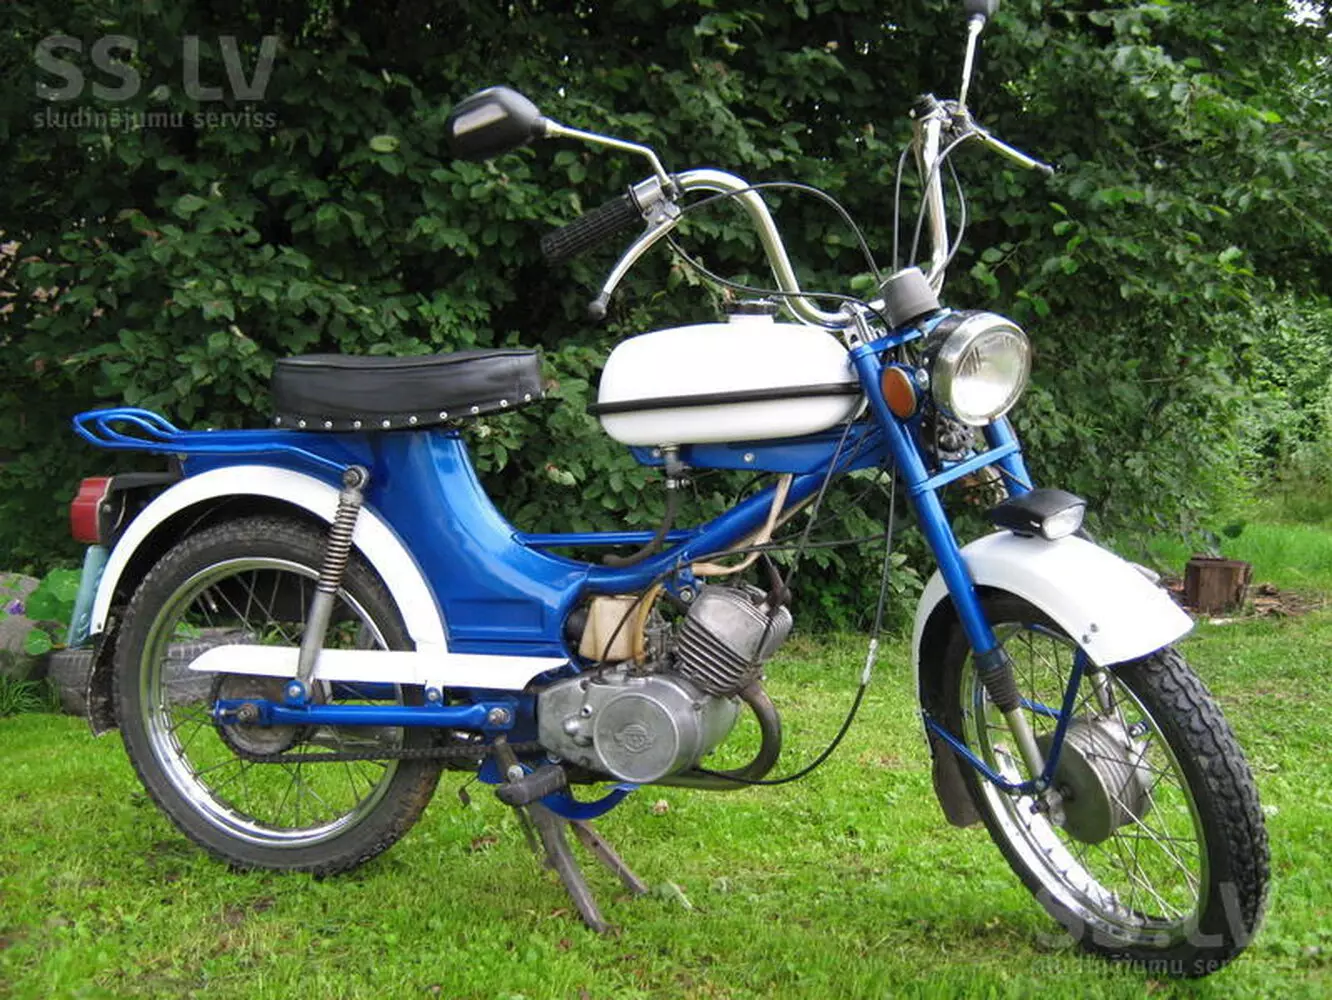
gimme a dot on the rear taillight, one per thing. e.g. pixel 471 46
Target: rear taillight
pixel 85 512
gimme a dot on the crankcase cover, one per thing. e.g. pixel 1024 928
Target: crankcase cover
pixel 636 728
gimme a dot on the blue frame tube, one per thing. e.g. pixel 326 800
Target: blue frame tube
pixel 272 713
pixel 959 469
pixel 999 434
pixel 598 538
pixel 929 510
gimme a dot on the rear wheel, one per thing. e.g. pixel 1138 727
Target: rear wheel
pixel 1154 850
pixel 251 581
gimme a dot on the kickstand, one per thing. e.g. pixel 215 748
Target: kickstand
pixel 540 824
pixel 551 829
pixel 604 853
pixel 559 857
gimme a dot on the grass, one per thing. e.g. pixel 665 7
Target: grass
pixel 847 884
pixel 1285 550
pixel 18 695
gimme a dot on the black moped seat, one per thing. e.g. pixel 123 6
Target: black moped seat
pixel 342 392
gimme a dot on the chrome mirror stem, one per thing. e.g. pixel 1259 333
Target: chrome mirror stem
pixel 554 130
pixel 974 28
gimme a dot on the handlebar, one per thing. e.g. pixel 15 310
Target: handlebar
pixel 720 181
pixel 590 229
pixel 937 121
pixel 1016 155
pixel 940 127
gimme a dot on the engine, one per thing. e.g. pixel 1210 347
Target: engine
pixel 642 723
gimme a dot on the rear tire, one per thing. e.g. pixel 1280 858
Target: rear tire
pixel 1178 882
pixel 254 578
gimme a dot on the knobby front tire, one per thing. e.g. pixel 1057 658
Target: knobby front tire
pixel 250 581
pixel 1161 856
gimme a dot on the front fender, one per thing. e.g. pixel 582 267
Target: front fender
pixel 1108 607
pixel 373 538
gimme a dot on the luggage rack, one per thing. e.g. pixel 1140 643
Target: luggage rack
pixel 151 432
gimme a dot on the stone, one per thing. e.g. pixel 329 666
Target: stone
pixel 67 669
pixel 15 626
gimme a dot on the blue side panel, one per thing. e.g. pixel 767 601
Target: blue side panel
pixel 501 592
pixel 497 595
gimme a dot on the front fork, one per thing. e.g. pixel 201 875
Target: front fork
pixel 991 660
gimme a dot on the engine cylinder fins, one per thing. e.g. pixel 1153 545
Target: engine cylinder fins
pixel 727 637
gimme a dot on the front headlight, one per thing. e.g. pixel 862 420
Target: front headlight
pixel 978 364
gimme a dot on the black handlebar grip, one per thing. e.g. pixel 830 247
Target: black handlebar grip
pixel 589 230
pixel 545 780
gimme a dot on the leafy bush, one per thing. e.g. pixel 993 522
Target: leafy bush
pixel 168 266
pixel 1292 373
pixel 51 606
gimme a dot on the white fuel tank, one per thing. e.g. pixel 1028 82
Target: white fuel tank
pixel 748 379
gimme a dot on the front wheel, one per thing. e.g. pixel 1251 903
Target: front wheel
pixel 250 581
pixel 1153 848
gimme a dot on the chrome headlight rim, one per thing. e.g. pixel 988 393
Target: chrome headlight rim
pixel 949 343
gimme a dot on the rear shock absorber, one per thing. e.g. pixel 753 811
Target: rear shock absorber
pixel 336 555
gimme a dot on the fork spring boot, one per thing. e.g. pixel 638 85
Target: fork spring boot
pixel 996 673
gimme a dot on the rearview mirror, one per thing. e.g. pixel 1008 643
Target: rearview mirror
pixel 492 121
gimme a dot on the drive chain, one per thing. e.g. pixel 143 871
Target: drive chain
pixel 474 753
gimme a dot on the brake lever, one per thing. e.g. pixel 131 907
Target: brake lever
pixel 596 309
pixel 655 199
pixel 1011 153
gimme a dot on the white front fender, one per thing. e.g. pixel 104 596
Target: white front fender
pixel 1107 606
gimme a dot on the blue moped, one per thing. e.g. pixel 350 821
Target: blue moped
pixel 297 628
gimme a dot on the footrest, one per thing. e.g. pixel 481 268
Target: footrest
pixel 545 780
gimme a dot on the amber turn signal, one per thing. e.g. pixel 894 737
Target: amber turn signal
pixel 899 391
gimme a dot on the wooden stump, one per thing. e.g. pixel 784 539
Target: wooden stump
pixel 1213 585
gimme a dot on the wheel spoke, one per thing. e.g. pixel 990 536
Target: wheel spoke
pixel 285 804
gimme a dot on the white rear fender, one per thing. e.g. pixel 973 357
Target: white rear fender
pixel 1108 607
pixel 374 539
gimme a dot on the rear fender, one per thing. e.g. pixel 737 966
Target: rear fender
pixel 156 527
pixel 374 539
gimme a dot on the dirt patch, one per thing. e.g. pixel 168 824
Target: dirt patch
pixel 1265 600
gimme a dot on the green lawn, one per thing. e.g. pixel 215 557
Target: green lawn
pixel 847 884
pixel 1290 545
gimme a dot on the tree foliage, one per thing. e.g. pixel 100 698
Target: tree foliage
pixel 167 266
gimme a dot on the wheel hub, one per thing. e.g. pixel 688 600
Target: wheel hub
pixel 1100 778
pixel 254 740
